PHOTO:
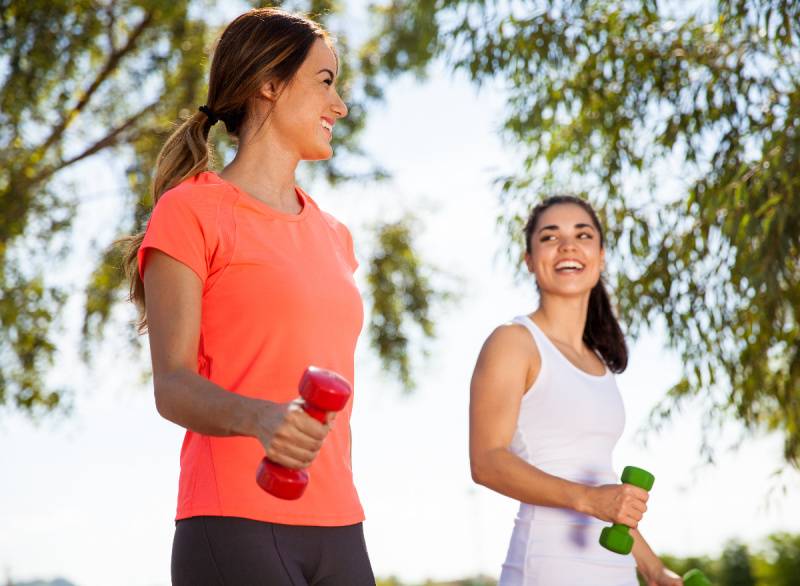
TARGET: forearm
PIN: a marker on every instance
(504, 472)
(191, 401)
(647, 562)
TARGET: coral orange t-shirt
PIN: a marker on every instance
(278, 296)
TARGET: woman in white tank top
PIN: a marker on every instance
(545, 414)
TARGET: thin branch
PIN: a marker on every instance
(109, 140)
(109, 68)
(112, 20)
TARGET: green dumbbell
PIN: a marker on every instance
(616, 538)
(695, 578)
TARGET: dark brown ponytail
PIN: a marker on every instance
(602, 332)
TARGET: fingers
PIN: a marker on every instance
(297, 439)
(330, 417)
(297, 419)
(631, 505)
(289, 455)
(620, 503)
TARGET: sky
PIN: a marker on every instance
(91, 497)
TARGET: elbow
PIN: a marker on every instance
(161, 395)
(489, 467)
(161, 403)
(480, 473)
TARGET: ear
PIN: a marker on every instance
(270, 90)
(602, 259)
(529, 264)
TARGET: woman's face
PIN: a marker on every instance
(306, 110)
(566, 257)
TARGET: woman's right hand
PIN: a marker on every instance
(291, 437)
(617, 503)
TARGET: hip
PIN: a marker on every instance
(552, 552)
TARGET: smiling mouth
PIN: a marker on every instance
(569, 266)
(326, 125)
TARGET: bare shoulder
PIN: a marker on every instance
(509, 352)
(511, 339)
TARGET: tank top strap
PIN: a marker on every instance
(549, 353)
(543, 344)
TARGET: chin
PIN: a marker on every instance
(319, 155)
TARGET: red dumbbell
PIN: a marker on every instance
(323, 391)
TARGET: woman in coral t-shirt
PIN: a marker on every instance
(247, 284)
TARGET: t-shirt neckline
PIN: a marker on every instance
(277, 214)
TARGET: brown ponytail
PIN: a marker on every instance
(259, 46)
(602, 332)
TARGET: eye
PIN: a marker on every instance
(546, 237)
(328, 81)
(585, 235)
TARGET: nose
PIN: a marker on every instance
(338, 107)
(567, 243)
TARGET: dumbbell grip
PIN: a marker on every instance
(321, 386)
(280, 481)
(617, 538)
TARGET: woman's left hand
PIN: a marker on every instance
(664, 577)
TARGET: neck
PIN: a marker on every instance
(563, 319)
(265, 171)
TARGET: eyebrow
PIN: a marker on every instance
(554, 227)
(328, 71)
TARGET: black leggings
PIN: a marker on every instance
(231, 551)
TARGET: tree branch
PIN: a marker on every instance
(109, 140)
(109, 68)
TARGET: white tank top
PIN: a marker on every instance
(569, 422)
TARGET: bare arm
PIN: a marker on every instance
(508, 364)
(652, 569)
(174, 296)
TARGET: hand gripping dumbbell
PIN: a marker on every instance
(323, 391)
(695, 578)
(616, 538)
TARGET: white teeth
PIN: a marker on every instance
(568, 264)
(327, 125)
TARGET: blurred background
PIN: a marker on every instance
(679, 121)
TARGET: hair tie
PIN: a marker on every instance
(207, 111)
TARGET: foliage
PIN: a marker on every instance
(108, 80)
(776, 562)
(682, 565)
(735, 566)
(782, 555)
(401, 292)
(684, 129)
(64, 100)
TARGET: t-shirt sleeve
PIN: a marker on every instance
(182, 225)
(347, 242)
(345, 239)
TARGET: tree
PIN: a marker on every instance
(783, 551)
(684, 129)
(87, 79)
(399, 285)
(735, 567)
